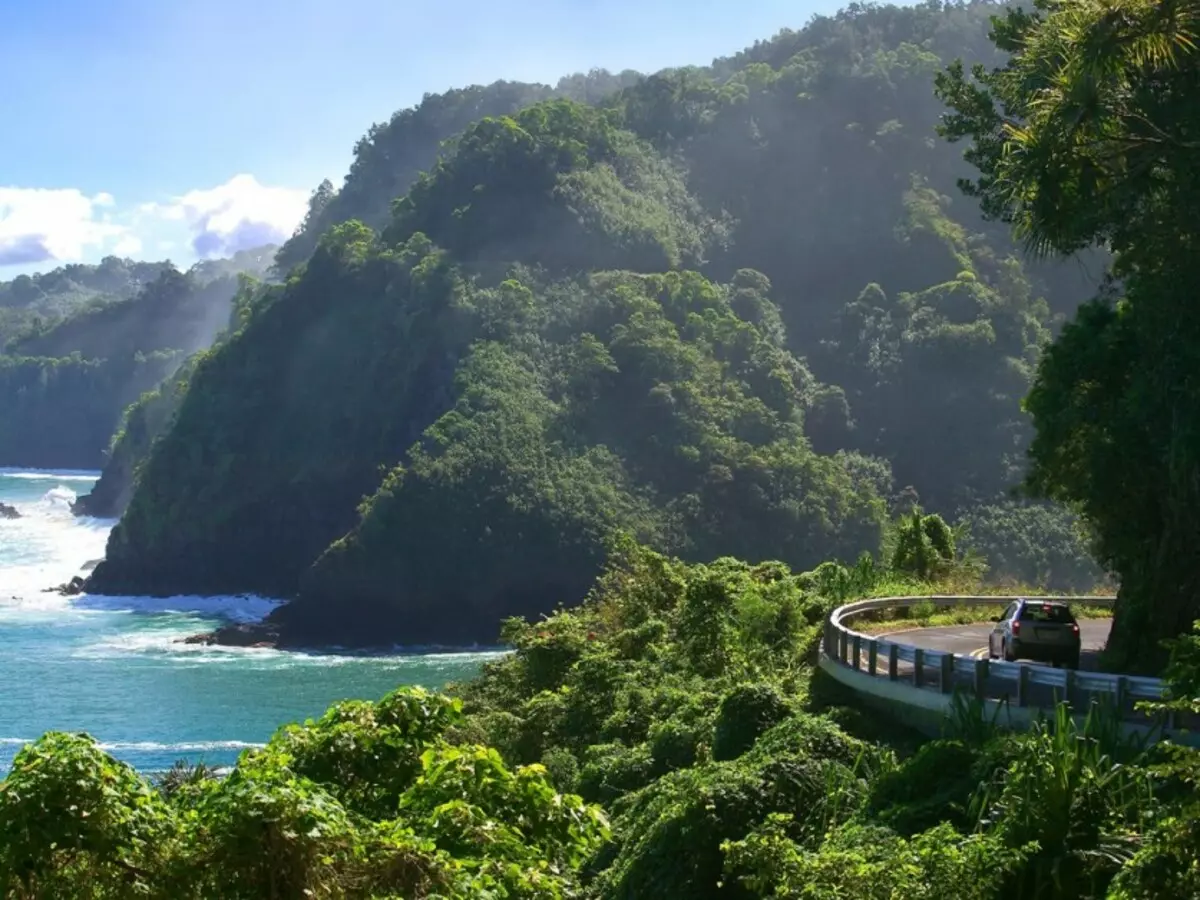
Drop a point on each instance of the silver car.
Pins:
(1037, 630)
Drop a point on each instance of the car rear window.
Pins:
(1047, 614)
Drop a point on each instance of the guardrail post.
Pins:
(1121, 697)
(872, 656)
(981, 678)
(857, 653)
(893, 662)
(1069, 688)
(919, 667)
(947, 684)
(1022, 685)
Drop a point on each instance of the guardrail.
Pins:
(987, 679)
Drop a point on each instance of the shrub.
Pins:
(935, 785)
(814, 737)
(613, 770)
(673, 745)
(70, 814)
(367, 754)
(562, 768)
(745, 713)
(671, 833)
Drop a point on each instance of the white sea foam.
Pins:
(54, 545)
(233, 608)
(152, 746)
(50, 474)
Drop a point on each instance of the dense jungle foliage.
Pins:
(461, 386)
(1085, 137)
(392, 155)
(92, 339)
(38, 301)
(728, 310)
(665, 739)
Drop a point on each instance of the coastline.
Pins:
(263, 635)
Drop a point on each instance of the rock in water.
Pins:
(257, 634)
(8, 512)
(69, 589)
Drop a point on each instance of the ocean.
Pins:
(112, 667)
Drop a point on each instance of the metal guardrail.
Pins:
(1033, 686)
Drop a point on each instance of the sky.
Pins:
(177, 129)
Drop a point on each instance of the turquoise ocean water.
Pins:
(111, 666)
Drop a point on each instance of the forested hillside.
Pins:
(667, 736)
(738, 309)
(392, 155)
(38, 301)
(94, 340)
(669, 739)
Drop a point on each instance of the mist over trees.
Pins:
(1100, 150)
(592, 329)
(733, 309)
(82, 343)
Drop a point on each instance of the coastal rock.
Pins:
(8, 512)
(69, 589)
(255, 635)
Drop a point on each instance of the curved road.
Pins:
(972, 640)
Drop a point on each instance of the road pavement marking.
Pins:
(981, 653)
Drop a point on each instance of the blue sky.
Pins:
(135, 126)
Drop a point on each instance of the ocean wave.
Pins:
(163, 644)
(51, 474)
(230, 608)
(47, 546)
(152, 746)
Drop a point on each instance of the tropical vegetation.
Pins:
(730, 310)
(1086, 137)
(581, 357)
(667, 738)
(79, 344)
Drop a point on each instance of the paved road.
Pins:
(972, 640)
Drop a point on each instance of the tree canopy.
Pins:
(726, 309)
(1087, 136)
(92, 340)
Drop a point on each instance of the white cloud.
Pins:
(39, 225)
(127, 246)
(237, 215)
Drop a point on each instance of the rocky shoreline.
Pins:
(252, 634)
(67, 589)
(8, 512)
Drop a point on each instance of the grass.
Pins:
(930, 616)
(964, 582)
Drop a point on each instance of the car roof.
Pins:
(1035, 601)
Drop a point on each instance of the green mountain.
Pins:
(392, 155)
(65, 381)
(39, 301)
(727, 309)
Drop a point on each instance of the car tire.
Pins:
(1073, 662)
(1006, 653)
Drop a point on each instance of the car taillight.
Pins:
(1075, 628)
(1016, 627)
